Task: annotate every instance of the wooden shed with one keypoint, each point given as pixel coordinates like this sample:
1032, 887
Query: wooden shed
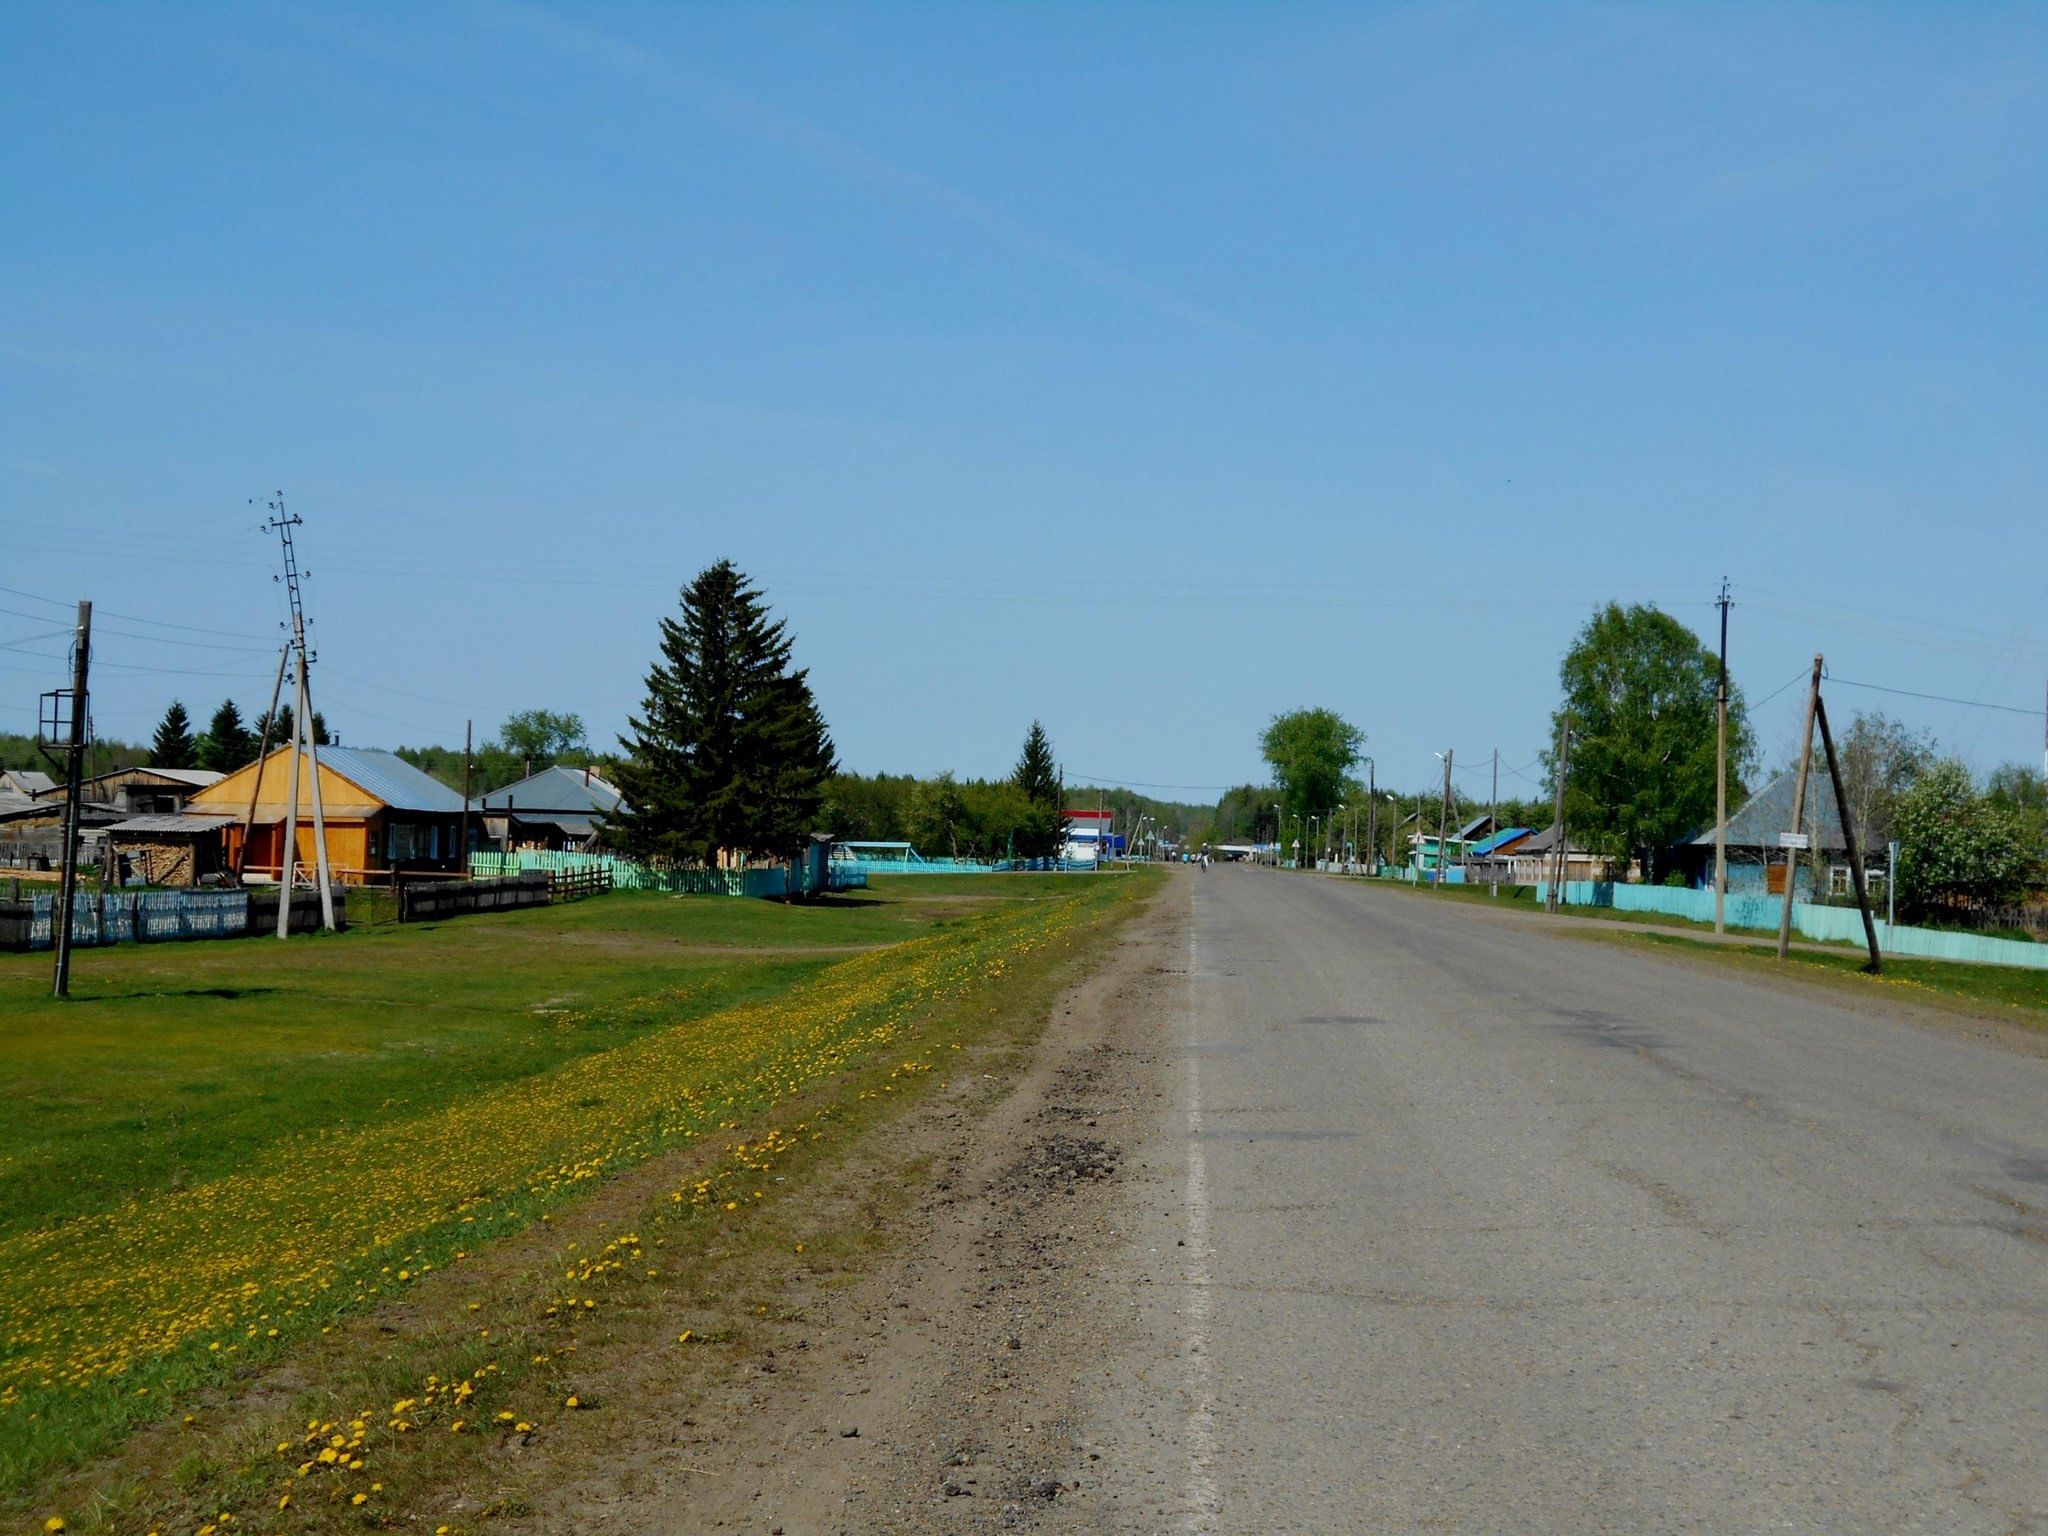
382, 814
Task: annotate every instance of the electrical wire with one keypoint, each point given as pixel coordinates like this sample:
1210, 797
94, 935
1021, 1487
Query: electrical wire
1938, 698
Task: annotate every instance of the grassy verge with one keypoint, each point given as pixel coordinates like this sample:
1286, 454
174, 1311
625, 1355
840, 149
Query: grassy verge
119, 1314
2008, 990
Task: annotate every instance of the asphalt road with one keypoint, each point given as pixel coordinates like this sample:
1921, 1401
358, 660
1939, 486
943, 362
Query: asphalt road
1445, 1224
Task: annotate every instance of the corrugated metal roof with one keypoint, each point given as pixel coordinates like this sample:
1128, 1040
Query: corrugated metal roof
1768, 812
173, 822
391, 779
553, 789
1504, 835
198, 778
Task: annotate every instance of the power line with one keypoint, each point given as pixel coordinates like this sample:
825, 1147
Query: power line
1938, 698
1104, 781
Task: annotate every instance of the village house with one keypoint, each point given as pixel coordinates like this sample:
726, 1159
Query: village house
1757, 860
1534, 859
142, 790
557, 808
382, 815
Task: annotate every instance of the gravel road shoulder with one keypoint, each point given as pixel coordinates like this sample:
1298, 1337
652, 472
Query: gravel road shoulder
940, 1389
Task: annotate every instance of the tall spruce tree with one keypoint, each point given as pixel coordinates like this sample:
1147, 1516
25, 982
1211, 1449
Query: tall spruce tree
174, 746
278, 727
729, 754
227, 744
1038, 777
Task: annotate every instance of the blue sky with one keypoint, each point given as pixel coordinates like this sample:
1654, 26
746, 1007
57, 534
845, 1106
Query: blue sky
1148, 369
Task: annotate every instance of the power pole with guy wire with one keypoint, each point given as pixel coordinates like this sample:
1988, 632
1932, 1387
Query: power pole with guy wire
282, 525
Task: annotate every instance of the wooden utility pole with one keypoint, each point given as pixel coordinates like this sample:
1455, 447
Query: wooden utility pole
1798, 815
1827, 741
1493, 807
320, 864
467, 742
1372, 812
1564, 766
1721, 775
262, 751
1443, 818
74, 795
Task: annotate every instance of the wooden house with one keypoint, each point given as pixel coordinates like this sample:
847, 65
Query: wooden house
1534, 860
382, 814
142, 790
557, 808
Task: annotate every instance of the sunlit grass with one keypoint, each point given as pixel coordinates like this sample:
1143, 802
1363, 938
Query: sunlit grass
114, 1308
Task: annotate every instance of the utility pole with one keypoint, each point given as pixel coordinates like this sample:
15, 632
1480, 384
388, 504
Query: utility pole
1721, 775
1564, 759
1798, 815
1493, 807
467, 741
1443, 816
1827, 741
1372, 813
302, 731
74, 794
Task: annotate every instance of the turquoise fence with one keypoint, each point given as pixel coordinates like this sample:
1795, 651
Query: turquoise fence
768, 880
969, 866
1825, 925
917, 866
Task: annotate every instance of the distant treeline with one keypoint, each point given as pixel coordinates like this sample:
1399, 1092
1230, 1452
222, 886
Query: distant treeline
947, 817
1248, 814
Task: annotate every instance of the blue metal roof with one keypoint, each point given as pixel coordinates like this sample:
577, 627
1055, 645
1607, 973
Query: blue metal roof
391, 779
1504, 835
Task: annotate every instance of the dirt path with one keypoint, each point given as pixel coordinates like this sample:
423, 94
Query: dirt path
939, 1389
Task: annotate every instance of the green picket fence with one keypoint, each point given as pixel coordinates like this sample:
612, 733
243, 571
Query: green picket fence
768, 881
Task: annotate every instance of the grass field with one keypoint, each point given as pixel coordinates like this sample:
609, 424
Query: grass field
221, 1151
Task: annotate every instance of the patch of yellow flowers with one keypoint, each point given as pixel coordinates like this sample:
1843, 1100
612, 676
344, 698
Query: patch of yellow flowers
327, 1221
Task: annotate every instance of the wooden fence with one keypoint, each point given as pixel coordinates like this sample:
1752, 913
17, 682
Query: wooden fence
429, 901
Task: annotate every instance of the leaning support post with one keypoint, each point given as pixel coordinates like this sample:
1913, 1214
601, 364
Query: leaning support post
284, 657
320, 864
1798, 816
288, 850
1827, 741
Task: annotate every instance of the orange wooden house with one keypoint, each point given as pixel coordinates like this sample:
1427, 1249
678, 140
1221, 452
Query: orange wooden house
382, 814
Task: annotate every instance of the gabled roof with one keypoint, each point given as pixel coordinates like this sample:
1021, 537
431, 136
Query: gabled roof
1546, 842
1473, 828
1499, 840
389, 782
391, 779
577, 791
26, 781
190, 778
1768, 812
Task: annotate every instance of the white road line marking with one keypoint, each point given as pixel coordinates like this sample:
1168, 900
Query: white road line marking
1201, 1500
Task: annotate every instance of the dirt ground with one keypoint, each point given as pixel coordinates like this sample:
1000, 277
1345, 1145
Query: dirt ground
939, 1389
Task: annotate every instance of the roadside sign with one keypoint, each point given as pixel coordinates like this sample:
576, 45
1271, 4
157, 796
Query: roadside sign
1793, 840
